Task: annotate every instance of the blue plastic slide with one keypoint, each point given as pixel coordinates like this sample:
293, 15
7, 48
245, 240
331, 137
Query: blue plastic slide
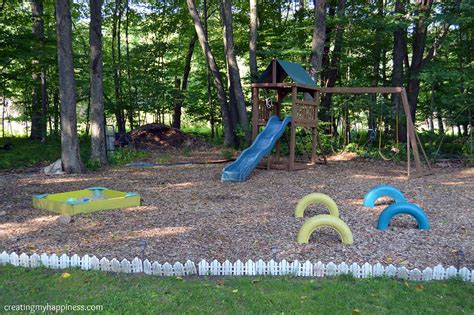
248, 160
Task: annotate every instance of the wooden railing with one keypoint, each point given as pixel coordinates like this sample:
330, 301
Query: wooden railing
305, 113
264, 112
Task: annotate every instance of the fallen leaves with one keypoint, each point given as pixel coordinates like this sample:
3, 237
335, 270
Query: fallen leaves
65, 275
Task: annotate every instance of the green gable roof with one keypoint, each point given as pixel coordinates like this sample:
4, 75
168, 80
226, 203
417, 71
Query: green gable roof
286, 69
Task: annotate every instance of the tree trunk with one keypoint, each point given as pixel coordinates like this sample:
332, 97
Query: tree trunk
39, 97
229, 136
233, 70
431, 116
319, 39
208, 75
253, 41
98, 145
129, 78
4, 105
184, 85
88, 113
419, 60
327, 45
397, 72
418, 49
116, 58
377, 51
56, 111
439, 118
333, 72
44, 105
70, 156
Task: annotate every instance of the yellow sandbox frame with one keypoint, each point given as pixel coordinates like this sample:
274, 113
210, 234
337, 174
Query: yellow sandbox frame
66, 203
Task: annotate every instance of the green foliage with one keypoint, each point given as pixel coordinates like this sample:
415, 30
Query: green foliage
122, 156
26, 153
227, 153
93, 164
122, 293
159, 33
164, 158
204, 133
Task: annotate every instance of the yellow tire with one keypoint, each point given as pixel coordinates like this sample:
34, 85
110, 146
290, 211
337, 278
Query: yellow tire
322, 221
313, 198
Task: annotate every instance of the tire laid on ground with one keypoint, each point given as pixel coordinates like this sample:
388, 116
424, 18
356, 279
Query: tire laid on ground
403, 208
382, 191
322, 221
316, 198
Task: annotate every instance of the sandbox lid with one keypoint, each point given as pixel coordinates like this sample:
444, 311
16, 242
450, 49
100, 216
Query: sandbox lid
85, 201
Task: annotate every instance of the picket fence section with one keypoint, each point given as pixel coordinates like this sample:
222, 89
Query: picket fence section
238, 268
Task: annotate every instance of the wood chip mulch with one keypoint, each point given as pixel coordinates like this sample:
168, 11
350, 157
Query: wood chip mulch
188, 213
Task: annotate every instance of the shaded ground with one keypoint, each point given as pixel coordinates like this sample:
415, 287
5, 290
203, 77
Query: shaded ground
189, 214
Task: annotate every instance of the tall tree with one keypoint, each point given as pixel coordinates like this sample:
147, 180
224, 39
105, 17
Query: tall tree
333, 72
39, 94
319, 38
233, 69
399, 48
377, 57
253, 41
67, 90
418, 59
129, 78
184, 85
229, 135
116, 60
212, 118
98, 146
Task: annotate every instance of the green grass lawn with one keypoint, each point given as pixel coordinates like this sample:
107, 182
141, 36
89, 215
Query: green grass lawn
119, 293
25, 152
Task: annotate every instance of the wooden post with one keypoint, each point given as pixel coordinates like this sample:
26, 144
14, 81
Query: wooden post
411, 132
423, 151
294, 95
274, 71
255, 113
278, 113
408, 153
314, 130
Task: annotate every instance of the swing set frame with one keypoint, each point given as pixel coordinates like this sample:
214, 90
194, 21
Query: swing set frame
413, 140
305, 114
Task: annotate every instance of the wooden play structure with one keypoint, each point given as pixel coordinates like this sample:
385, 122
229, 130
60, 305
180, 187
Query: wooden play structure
286, 78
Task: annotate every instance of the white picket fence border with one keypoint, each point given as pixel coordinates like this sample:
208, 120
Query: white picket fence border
238, 268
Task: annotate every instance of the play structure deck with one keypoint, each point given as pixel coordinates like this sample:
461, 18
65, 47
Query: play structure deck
86, 200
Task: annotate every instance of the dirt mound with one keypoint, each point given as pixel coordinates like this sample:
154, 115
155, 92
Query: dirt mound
160, 136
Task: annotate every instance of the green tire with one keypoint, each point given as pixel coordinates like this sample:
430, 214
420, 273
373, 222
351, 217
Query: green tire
322, 221
313, 198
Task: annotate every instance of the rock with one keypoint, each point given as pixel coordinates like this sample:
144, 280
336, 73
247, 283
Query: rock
64, 219
3, 213
54, 169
